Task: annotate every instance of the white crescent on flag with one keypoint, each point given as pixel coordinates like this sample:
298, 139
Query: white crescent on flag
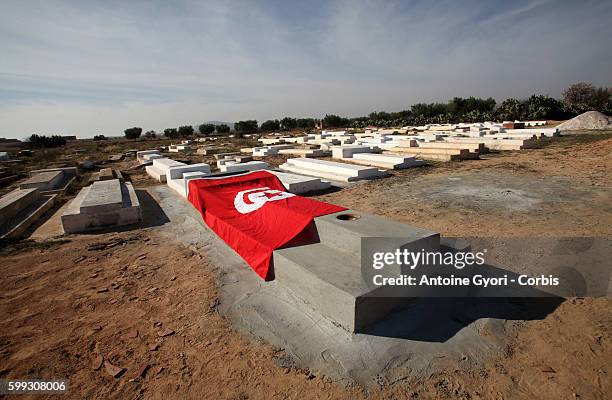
250, 200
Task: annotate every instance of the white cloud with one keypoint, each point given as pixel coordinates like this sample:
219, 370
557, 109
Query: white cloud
87, 68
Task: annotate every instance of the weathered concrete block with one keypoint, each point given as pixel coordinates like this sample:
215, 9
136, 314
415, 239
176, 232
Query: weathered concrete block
295, 183
328, 275
177, 172
103, 204
140, 155
248, 166
386, 161
181, 186
44, 181
15, 201
330, 170
348, 151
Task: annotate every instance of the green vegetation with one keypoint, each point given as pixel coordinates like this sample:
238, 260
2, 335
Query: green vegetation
206, 129
582, 97
42, 141
270, 125
132, 133
243, 127
222, 129
576, 99
171, 133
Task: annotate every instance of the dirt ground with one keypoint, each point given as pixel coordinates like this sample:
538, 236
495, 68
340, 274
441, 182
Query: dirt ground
76, 307
563, 189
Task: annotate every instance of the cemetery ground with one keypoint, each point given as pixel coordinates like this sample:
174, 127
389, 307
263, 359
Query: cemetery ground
135, 305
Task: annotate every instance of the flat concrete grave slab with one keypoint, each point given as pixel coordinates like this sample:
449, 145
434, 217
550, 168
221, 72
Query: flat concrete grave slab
160, 168
103, 204
181, 186
386, 161
247, 166
144, 155
16, 200
297, 184
43, 181
177, 172
20, 208
348, 151
330, 170
106, 174
103, 196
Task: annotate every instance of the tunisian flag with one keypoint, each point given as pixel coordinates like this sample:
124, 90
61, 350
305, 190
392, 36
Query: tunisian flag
254, 214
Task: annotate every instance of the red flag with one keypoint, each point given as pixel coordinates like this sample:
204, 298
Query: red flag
254, 214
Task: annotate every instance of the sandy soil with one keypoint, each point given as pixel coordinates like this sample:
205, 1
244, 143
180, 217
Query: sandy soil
131, 300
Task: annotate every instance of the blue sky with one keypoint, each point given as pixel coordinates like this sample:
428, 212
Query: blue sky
85, 68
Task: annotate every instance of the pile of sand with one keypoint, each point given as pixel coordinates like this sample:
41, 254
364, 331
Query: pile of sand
587, 120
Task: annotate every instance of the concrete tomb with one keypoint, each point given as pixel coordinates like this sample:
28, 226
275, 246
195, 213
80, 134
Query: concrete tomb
329, 277
146, 156
103, 204
50, 181
234, 166
348, 151
160, 167
385, 161
20, 208
330, 170
298, 184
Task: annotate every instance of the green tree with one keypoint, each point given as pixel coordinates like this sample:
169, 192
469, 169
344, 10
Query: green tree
206, 129
185, 130
222, 128
242, 127
305, 123
582, 97
132, 133
171, 133
42, 141
99, 137
288, 123
543, 107
511, 110
270, 125
334, 121
150, 134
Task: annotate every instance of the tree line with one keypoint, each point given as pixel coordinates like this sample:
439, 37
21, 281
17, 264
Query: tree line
576, 99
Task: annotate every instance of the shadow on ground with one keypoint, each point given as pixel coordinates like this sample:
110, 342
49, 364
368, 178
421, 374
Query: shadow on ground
439, 319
